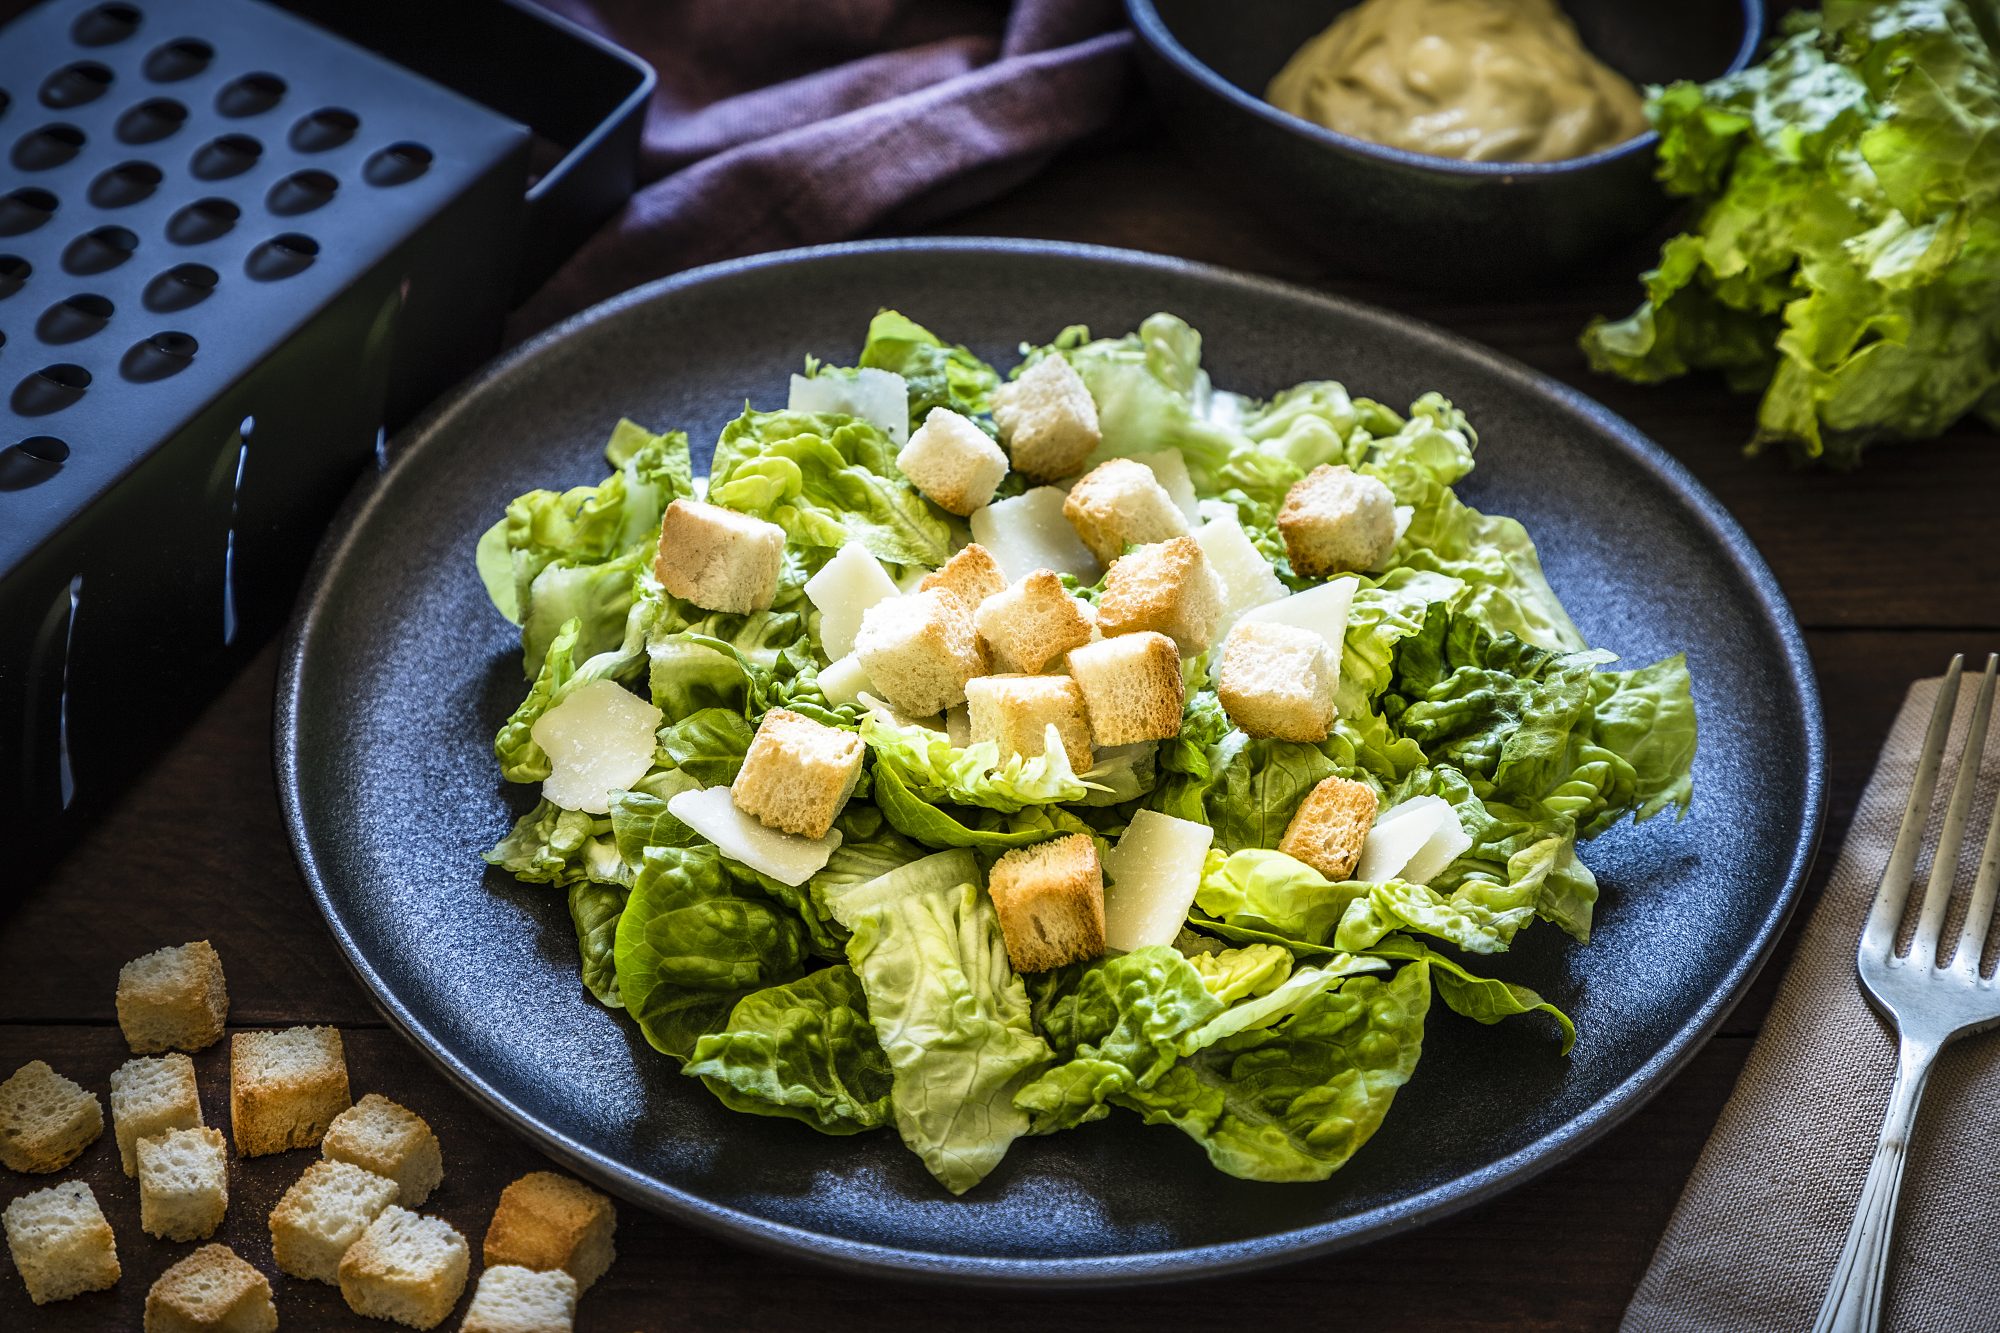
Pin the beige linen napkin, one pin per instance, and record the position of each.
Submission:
(1753, 1242)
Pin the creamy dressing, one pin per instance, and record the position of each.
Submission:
(1478, 80)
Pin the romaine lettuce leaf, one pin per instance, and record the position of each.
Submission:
(594, 910)
(1232, 974)
(1481, 999)
(551, 845)
(803, 1050)
(942, 826)
(1274, 894)
(932, 769)
(938, 375)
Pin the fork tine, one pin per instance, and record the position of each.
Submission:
(1979, 912)
(1879, 938)
(1951, 837)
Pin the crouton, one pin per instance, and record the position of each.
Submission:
(406, 1267)
(1029, 624)
(285, 1087)
(1335, 519)
(46, 1120)
(1015, 712)
(719, 559)
(1132, 687)
(952, 462)
(512, 1299)
(1120, 504)
(972, 573)
(151, 1095)
(322, 1214)
(797, 774)
(183, 1183)
(1047, 420)
(173, 999)
(60, 1242)
(546, 1221)
(1330, 825)
(393, 1141)
(1050, 899)
(920, 650)
(1278, 681)
(844, 588)
(213, 1290)
(1167, 587)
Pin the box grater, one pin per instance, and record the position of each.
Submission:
(238, 245)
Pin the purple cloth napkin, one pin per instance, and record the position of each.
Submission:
(779, 123)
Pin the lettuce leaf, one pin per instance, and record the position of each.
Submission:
(803, 1050)
(941, 826)
(1481, 999)
(551, 845)
(932, 769)
(594, 910)
(939, 375)
(1274, 895)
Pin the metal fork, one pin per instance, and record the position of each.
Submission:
(1931, 1003)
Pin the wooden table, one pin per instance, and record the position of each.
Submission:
(1891, 570)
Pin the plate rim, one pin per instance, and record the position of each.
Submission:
(1151, 1267)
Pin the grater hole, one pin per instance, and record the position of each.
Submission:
(25, 209)
(75, 84)
(125, 184)
(44, 449)
(159, 356)
(105, 25)
(50, 146)
(50, 389)
(328, 127)
(6, 100)
(33, 460)
(152, 120)
(14, 272)
(180, 287)
(74, 318)
(302, 192)
(251, 95)
(182, 58)
(398, 164)
(202, 220)
(282, 257)
(226, 156)
(99, 250)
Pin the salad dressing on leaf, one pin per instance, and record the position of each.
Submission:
(1478, 80)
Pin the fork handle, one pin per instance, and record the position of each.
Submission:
(1854, 1298)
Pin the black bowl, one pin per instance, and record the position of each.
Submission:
(1430, 221)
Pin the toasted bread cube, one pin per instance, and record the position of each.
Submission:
(513, 1299)
(183, 1183)
(1167, 587)
(1047, 420)
(213, 1290)
(1330, 825)
(1120, 504)
(1016, 712)
(1050, 898)
(151, 1095)
(920, 650)
(1278, 681)
(61, 1242)
(46, 1120)
(391, 1140)
(405, 1267)
(285, 1087)
(323, 1213)
(972, 573)
(719, 559)
(797, 774)
(1132, 687)
(173, 999)
(1335, 519)
(1031, 623)
(952, 462)
(546, 1221)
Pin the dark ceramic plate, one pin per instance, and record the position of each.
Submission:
(398, 672)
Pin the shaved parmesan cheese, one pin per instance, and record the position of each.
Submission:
(1029, 532)
(880, 397)
(844, 681)
(1170, 470)
(1248, 581)
(785, 857)
(1412, 842)
(599, 739)
(1154, 872)
(1323, 610)
(845, 587)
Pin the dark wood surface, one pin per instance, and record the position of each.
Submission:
(1891, 569)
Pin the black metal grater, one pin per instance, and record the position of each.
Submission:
(236, 250)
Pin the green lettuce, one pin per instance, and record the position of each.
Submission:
(938, 375)
(933, 825)
(803, 1050)
(932, 769)
(1481, 999)
(594, 910)
(551, 845)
